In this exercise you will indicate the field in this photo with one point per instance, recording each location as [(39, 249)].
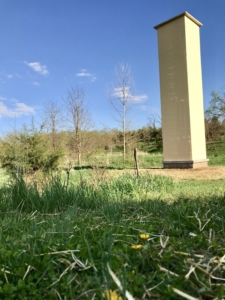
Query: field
[(104, 232)]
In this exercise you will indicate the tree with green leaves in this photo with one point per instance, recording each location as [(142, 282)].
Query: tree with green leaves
[(217, 106), (213, 128), (27, 151), (215, 116)]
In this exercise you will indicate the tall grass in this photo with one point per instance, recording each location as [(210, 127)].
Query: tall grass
[(57, 240)]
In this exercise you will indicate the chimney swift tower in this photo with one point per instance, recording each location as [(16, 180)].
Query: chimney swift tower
[(181, 92)]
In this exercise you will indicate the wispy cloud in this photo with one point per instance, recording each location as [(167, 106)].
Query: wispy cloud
[(93, 78), (37, 67), (9, 76), (144, 107), (139, 98), (126, 92), (23, 109), (122, 92), (19, 76), (36, 83), (84, 73), (13, 108)]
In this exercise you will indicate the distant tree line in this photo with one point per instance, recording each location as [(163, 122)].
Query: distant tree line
[(31, 149)]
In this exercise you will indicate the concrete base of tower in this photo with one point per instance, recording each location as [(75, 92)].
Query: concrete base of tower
[(185, 164)]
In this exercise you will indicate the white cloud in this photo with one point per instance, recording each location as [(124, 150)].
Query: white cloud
[(122, 92), (125, 92), (2, 98), (16, 109), (18, 76), (14, 100), (139, 98), (37, 67), (144, 107), (3, 110), (9, 76), (23, 109), (93, 79), (36, 83), (84, 73)]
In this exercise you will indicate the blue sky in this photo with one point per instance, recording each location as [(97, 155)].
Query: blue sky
[(49, 45)]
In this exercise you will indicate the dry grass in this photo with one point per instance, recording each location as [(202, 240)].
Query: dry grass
[(207, 173)]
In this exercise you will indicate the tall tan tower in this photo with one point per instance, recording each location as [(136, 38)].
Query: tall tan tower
[(181, 92)]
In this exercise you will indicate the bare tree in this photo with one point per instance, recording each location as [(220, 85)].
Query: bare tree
[(155, 121), (155, 126), (78, 118), (121, 97), (52, 121)]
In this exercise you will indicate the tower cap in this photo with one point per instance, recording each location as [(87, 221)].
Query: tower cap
[(184, 14)]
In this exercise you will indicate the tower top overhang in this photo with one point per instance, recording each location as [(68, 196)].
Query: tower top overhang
[(184, 14)]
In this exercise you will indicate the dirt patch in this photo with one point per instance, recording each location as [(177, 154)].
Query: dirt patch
[(208, 173)]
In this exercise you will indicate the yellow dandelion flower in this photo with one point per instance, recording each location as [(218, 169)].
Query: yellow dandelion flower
[(111, 295), (136, 247), (144, 236)]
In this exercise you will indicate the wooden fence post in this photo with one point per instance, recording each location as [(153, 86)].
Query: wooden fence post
[(136, 161)]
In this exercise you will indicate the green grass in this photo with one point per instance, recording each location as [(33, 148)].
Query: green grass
[(216, 153), (215, 160), (115, 161), (57, 240)]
